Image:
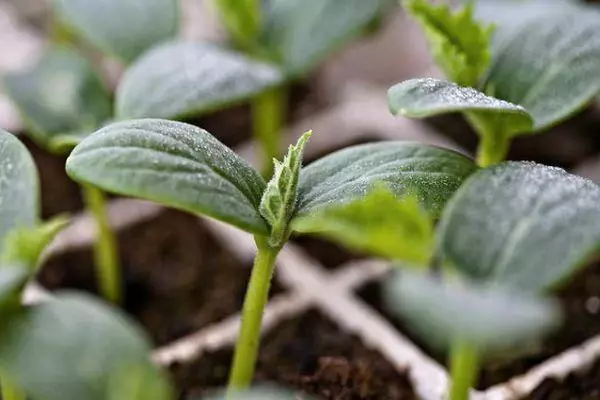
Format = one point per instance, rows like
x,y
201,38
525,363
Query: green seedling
x,y
541,68
100,353
185,167
509,236
63,98
274,43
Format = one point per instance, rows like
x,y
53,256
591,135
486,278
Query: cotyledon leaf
x,y
431,173
19,187
427,97
549,63
522,225
61,95
491,319
95,346
124,28
184,78
175,164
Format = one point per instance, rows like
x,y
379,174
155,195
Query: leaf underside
x,y
521,225
175,164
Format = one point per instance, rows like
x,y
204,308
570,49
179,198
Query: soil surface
x,y
580,300
178,278
309,354
582,385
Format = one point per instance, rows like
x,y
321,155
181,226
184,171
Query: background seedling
x,y
275,43
63,98
101,355
185,167
507,237
541,68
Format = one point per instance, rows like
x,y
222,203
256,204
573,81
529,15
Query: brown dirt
x,y
580,300
178,278
310,355
582,385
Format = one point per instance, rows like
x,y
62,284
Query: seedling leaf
x,y
12,280
243,19
460,45
180,79
278,202
430,173
60,95
427,97
521,224
549,63
175,164
261,393
123,28
90,342
301,36
490,319
379,223
19,187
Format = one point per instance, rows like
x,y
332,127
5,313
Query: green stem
x,y
268,113
464,365
9,389
492,150
105,250
246,349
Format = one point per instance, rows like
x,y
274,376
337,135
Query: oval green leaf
x,y
12,281
431,173
96,348
183,78
488,318
521,224
303,36
19,187
60,95
123,28
172,163
427,97
549,63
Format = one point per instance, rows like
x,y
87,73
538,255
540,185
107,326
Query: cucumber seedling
x,y
274,43
509,236
63,98
542,66
185,167
68,330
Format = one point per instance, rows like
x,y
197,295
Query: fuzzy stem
x,y
464,365
9,389
246,349
492,150
105,249
268,113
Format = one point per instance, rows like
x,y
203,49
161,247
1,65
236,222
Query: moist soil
x,y
581,385
177,277
580,300
310,355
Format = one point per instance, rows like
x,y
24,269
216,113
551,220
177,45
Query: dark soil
x,y
582,385
311,355
178,278
580,300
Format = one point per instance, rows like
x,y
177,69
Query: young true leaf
x,y
60,96
175,164
243,19
522,225
278,202
428,97
25,245
490,319
123,28
379,223
19,187
549,63
300,36
460,45
93,343
430,173
183,78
